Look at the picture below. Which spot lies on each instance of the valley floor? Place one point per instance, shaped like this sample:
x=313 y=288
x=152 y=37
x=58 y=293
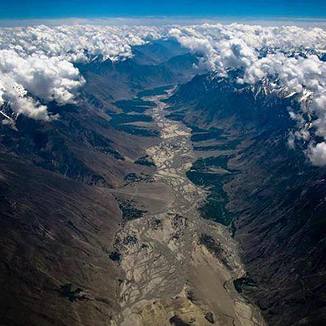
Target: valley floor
x=179 y=268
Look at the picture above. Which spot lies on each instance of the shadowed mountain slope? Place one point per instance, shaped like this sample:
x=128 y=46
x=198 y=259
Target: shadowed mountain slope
x=58 y=206
x=272 y=198
x=56 y=236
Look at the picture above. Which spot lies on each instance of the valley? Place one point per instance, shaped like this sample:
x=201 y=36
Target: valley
x=142 y=203
x=179 y=268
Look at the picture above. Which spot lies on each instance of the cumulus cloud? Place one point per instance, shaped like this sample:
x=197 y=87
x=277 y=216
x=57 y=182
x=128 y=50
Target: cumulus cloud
x=317 y=154
x=238 y=45
x=37 y=63
x=77 y=42
x=286 y=57
x=48 y=79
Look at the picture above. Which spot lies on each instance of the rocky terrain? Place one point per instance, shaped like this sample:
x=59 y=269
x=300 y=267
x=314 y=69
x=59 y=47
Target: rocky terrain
x=164 y=196
x=268 y=194
x=179 y=267
x=59 y=206
x=55 y=244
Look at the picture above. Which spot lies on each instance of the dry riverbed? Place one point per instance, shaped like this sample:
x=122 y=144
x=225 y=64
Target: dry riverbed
x=179 y=268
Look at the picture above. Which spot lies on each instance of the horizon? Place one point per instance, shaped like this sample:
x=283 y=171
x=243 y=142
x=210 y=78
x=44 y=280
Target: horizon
x=167 y=20
x=179 y=9
x=163 y=163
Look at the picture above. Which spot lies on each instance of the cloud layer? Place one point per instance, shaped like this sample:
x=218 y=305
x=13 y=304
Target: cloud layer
x=46 y=78
x=37 y=64
x=288 y=58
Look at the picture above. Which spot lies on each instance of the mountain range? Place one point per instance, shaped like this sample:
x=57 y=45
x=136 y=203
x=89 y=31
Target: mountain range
x=62 y=181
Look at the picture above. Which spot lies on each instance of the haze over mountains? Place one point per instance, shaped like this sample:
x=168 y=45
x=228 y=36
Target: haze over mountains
x=109 y=133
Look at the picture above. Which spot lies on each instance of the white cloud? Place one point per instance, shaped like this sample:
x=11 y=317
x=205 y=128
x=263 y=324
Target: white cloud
x=48 y=79
x=39 y=61
x=75 y=43
x=317 y=154
x=226 y=46
x=286 y=57
x=36 y=62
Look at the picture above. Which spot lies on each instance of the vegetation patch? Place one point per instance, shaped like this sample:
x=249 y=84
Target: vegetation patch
x=242 y=283
x=203 y=164
x=129 y=211
x=121 y=118
x=214 y=207
x=219 y=147
x=138 y=131
x=207 y=135
x=214 y=247
x=177 y=321
x=155 y=91
x=115 y=256
x=176 y=116
x=145 y=160
x=135 y=105
x=72 y=295
x=134 y=177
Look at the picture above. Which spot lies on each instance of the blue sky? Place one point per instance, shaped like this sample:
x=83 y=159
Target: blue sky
x=36 y=9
